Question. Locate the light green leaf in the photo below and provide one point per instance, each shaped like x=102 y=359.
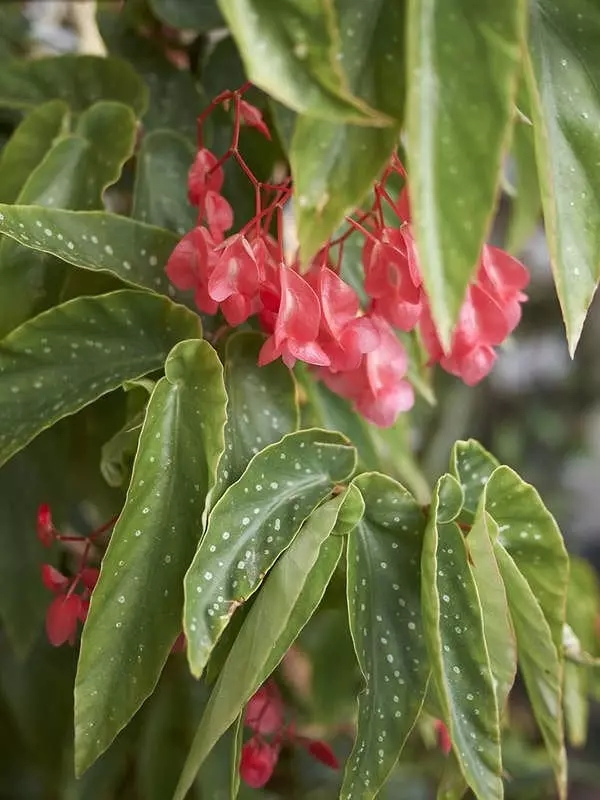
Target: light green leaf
x=563 y=69
x=289 y=596
x=160 y=194
x=79 y=80
x=28 y=145
x=530 y=535
x=458 y=123
x=132 y=251
x=252 y=524
x=201 y=15
x=334 y=164
x=73 y=174
x=73 y=354
x=384 y=609
x=454 y=632
x=135 y=614
x=539 y=661
x=291 y=53
x=262 y=408
x=497 y=625
x=472 y=466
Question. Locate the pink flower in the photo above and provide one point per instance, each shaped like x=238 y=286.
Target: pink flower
x=235 y=280
x=45 y=528
x=53 y=579
x=264 y=712
x=218 y=213
x=203 y=177
x=61 y=618
x=252 y=116
x=297 y=324
x=258 y=762
x=190 y=265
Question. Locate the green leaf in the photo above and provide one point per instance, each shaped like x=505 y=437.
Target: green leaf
x=539 y=660
x=289 y=596
x=454 y=631
x=529 y=533
x=118 y=452
x=252 y=524
x=135 y=614
x=384 y=609
x=458 y=122
x=160 y=194
x=562 y=67
x=73 y=354
x=291 y=54
x=262 y=408
x=472 y=466
x=497 y=625
x=132 y=251
x=28 y=145
x=79 y=80
x=73 y=174
x=201 y=15
x=334 y=164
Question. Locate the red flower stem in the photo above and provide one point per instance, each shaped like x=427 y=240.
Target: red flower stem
x=103 y=528
x=350 y=230
x=367 y=234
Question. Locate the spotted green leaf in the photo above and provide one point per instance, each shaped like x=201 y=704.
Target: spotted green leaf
x=458 y=123
x=69 y=356
x=252 y=524
x=160 y=195
x=454 y=632
x=135 y=614
x=28 y=145
x=563 y=70
x=73 y=174
x=79 y=80
x=539 y=661
x=132 y=251
x=262 y=407
x=384 y=586
x=472 y=466
x=497 y=625
x=529 y=533
x=334 y=164
x=291 y=54
x=285 y=602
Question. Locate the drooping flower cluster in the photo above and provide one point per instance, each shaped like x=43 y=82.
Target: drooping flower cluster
x=265 y=716
x=314 y=315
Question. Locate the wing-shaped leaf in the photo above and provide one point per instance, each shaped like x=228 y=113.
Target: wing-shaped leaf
x=458 y=123
x=334 y=164
x=253 y=522
x=497 y=625
x=79 y=80
x=73 y=354
x=135 y=614
x=132 y=251
x=563 y=69
x=262 y=408
x=384 y=608
x=160 y=195
x=472 y=466
x=291 y=55
x=538 y=658
x=529 y=533
x=454 y=631
x=289 y=596
x=28 y=145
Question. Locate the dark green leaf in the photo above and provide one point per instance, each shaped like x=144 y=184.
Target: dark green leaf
x=252 y=524
x=73 y=354
x=28 y=145
x=384 y=587
x=223 y=70
x=79 y=80
x=262 y=408
x=160 y=195
x=135 y=615
x=117 y=454
x=455 y=637
x=201 y=15
x=132 y=251
x=334 y=164
x=284 y=604
x=563 y=68
x=463 y=59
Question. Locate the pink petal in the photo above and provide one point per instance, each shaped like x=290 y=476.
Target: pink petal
x=61 y=618
x=189 y=262
x=258 y=762
x=235 y=272
x=299 y=312
x=253 y=117
x=45 y=528
x=264 y=712
x=199 y=181
x=89 y=577
x=53 y=579
x=339 y=302
x=219 y=214
x=322 y=752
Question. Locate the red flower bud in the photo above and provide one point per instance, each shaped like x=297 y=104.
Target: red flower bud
x=253 y=117
x=264 y=712
x=258 y=762
x=61 y=618
x=322 y=752
x=444 y=740
x=45 y=529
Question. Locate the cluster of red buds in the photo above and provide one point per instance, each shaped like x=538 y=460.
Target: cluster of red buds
x=314 y=315
x=69 y=606
x=265 y=716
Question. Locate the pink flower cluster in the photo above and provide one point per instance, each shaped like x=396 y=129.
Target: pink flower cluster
x=265 y=716
x=315 y=316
